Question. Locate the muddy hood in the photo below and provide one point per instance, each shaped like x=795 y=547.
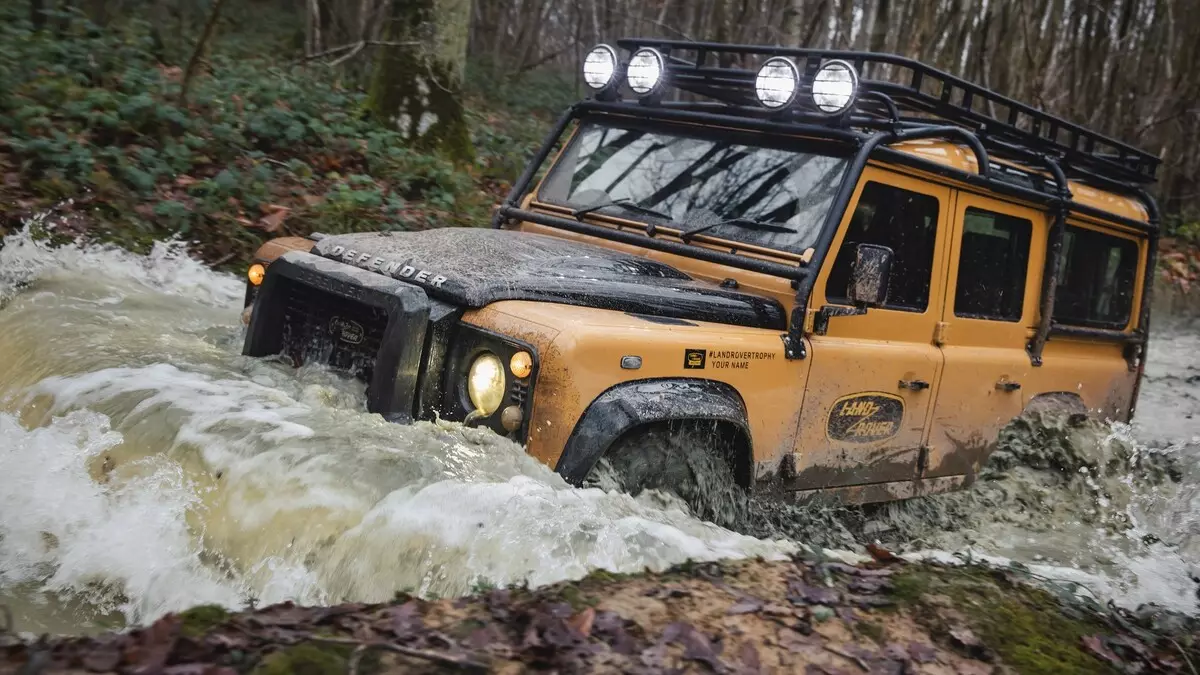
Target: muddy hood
x=475 y=267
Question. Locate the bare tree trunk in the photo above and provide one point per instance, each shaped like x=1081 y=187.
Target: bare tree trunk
x=193 y=63
x=37 y=14
x=417 y=85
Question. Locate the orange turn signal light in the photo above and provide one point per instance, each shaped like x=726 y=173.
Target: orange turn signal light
x=521 y=365
x=256 y=274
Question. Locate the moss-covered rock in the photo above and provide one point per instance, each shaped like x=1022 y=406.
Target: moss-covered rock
x=201 y=619
x=304 y=659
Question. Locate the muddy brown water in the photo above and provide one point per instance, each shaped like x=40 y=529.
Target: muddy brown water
x=145 y=467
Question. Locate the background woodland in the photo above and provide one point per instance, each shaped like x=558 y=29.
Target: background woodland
x=223 y=122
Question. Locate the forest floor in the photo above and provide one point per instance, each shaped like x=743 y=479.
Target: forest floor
x=793 y=616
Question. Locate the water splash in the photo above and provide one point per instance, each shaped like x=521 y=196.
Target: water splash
x=147 y=467
x=185 y=473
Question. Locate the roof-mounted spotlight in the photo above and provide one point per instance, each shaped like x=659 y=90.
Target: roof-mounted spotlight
x=600 y=68
x=835 y=87
x=645 y=72
x=777 y=83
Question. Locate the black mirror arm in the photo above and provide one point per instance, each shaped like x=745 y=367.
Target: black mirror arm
x=821 y=320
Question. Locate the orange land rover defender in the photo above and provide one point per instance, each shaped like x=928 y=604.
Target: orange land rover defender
x=820 y=271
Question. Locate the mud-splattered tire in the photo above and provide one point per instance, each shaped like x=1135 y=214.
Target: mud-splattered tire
x=693 y=460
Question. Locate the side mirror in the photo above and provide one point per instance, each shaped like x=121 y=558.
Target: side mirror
x=869 y=276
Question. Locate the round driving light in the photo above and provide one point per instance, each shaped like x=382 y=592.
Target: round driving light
x=521 y=365
x=599 y=66
x=256 y=274
x=777 y=83
x=835 y=87
x=485 y=384
x=511 y=418
x=645 y=71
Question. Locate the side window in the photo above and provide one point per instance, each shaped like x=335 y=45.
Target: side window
x=1096 y=286
x=992 y=263
x=905 y=222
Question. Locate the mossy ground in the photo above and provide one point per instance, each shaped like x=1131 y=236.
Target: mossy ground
x=1026 y=627
x=747 y=616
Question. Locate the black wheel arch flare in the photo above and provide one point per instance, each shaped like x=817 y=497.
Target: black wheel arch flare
x=625 y=407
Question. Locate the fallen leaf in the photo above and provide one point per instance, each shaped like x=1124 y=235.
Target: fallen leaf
x=284 y=614
x=800 y=593
x=184 y=180
x=748 y=655
x=312 y=200
x=922 y=653
x=406 y=620
x=272 y=222
x=972 y=645
x=881 y=554
x=155 y=644
x=583 y=621
x=1095 y=645
x=746 y=605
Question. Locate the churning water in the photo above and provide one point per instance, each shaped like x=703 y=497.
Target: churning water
x=145 y=466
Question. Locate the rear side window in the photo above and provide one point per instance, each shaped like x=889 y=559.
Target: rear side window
x=992 y=266
x=905 y=222
x=1096 y=286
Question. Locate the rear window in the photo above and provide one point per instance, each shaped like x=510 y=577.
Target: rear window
x=992 y=266
x=1096 y=287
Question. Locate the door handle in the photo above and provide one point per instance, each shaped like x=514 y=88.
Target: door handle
x=1006 y=385
x=914 y=385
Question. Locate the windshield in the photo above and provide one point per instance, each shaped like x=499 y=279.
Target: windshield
x=697 y=181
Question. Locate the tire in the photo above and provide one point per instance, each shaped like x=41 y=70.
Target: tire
x=692 y=460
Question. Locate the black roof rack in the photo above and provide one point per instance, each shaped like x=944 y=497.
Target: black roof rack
x=908 y=93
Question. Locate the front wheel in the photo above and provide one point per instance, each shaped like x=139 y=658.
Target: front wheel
x=692 y=460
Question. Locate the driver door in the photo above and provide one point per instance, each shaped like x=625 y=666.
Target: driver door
x=874 y=376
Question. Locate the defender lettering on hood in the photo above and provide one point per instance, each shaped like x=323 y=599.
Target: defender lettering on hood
x=473 y=267
x=396 y=270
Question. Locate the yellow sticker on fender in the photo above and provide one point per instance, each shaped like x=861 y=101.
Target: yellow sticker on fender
x=865 y=417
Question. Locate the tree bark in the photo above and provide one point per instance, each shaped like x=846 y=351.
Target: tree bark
x=417 y=87
x=193 y=63
x=37 y=14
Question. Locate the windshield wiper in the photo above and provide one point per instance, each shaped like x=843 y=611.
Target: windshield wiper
x=625 y=203
x=745 y=223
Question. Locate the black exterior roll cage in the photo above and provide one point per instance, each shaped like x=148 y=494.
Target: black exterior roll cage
x=915 y=102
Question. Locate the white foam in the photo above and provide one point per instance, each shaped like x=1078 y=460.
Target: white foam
x=124 y=544
x=167 y=269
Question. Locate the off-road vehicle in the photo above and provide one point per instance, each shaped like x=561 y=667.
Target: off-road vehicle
x=820 y=271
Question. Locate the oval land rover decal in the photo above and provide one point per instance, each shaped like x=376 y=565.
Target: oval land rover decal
x=865 y=417
x=346 y=330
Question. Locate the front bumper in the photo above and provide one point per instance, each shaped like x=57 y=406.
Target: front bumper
x=312 y=309
x=411 y=350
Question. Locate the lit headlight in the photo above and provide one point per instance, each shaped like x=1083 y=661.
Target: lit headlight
x=599 y=67
x=485 y=383
x=645 y=71
x=777 y=82
x=835 y=87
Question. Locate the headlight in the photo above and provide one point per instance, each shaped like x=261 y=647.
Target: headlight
x=599 y=67
x=256 y=274
x=485 y=383
x=835 y=87
x=777 y=82
x=645 y=72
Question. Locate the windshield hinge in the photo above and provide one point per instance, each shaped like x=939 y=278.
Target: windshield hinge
x=793 y=347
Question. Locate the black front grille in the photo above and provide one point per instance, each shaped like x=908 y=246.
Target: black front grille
x=320 y=327
x=317 y=311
